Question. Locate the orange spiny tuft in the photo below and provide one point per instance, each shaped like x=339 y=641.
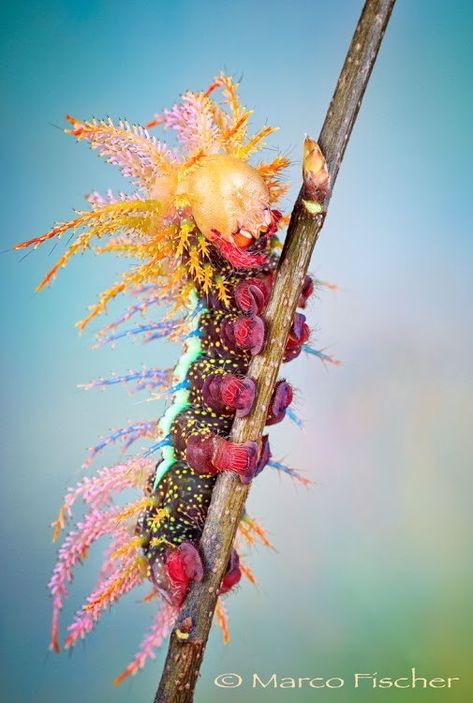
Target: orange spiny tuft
x=104 y=299
x=54 y=645
x=57 y=231
x=255 y=142
x=230 y=91
x=77 y=124
x=330 y=286
x=114 y=589
x=235 y=133
x=222 y=619
x=81 y=243
x=59 y=523
x=246 y=534
x=193 y=160
x=258 y=529
x=151 y=595
x=246 y=571
x=156 y=519
x=129 y=671
x=124 y=550
x=212 y=87
x=134 y=508
x=153 y=123
x=271 y=168
x=221 y=287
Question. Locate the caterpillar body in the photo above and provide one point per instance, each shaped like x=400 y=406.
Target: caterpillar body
x=218 y=389
x=201 y=229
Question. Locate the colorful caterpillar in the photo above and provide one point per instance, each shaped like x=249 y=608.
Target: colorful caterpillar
x=201 y=229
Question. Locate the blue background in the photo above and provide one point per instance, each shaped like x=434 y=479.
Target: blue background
x=372 y=571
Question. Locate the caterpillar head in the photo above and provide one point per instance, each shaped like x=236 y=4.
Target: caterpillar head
x=230 y=205
x=191 y=202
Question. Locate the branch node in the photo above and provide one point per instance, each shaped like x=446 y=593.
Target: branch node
x=315 y=177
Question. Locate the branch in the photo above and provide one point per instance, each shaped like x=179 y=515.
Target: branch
x=189 y=637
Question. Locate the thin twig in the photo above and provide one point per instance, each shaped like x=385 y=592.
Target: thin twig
x=189 y=637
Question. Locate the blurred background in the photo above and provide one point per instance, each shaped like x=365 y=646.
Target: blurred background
x=372 y=571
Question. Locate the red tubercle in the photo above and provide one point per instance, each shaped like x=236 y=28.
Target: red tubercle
x=298 y=336
x=242 y=458
x=238 y=393
x=250 y=333
x=299 y=332
x=245 y=332
x=228 y=394
x=280 y=401
x=252 y=294
x=306 y=292
x=265 y=454
x=199 y=451
x=239 y=258
x=182 y=565
x=213 y=454
x=232 y=574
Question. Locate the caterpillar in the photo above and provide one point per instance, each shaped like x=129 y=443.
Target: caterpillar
x=201 y=230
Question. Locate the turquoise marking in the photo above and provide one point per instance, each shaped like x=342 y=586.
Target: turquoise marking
x=193 y=349
x=179 y=403
x=168 y=460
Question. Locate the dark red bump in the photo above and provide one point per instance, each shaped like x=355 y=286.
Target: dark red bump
x=239 y=258
x=232 y=574
x=182 y=565
x=250 y=333
x=199 y=452
x=238 y=393
x=252 y=295
x=298 y=336
x=282 y=398
x=306 y=292
x=227 y=393
x=212 y=393
x=299 y=332
x=240 y=458
x=265 y=454
x=191 y=562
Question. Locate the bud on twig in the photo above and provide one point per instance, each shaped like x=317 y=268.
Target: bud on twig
x=315 y=177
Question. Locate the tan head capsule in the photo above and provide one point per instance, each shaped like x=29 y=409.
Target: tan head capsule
x=230 y=197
